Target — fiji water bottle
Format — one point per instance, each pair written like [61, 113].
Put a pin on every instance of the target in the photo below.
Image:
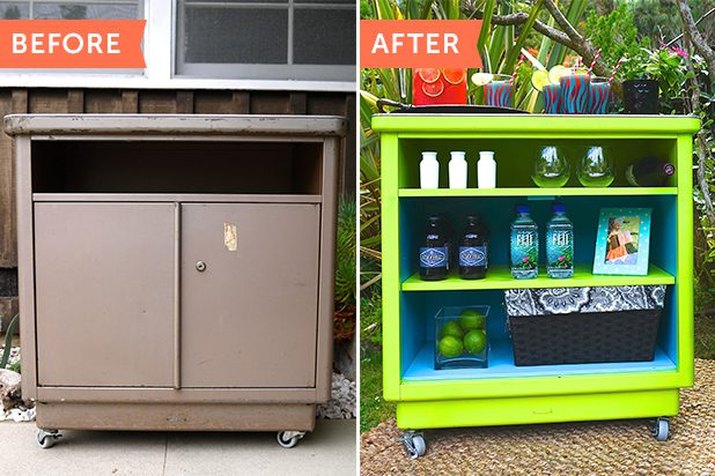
[434, 252]
[559, 244]
[524, 249]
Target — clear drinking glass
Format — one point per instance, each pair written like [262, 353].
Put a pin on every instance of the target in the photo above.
[595, 169]
[551, 169]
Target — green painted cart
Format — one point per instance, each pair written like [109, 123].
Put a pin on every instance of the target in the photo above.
[503, 393]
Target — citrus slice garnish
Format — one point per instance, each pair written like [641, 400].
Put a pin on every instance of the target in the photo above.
[580, 70]
[539, 79]
[433, 89]
[556, 72]
[453, 75]
[480, 79]
[428, 75]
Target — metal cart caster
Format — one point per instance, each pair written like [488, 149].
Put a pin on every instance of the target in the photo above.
[414, 442]
[661, 429]
[47, 438]
[288, 439]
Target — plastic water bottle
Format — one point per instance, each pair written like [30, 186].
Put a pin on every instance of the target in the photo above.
[559, 244]
[524, 249]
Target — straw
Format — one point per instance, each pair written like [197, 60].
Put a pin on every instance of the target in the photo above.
[593, 63]
[615, 69]
[516, 69]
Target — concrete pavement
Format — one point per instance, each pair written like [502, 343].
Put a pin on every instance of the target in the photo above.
[330, 450]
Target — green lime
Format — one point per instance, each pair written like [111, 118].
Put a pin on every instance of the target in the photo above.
[471, 319]
[475, 341]
[450, 346]
[451, 328]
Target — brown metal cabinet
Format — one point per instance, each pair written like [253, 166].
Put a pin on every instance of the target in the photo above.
[176, 272]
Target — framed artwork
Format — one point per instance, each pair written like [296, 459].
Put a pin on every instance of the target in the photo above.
[623, 241]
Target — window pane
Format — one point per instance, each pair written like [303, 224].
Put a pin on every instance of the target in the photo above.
[324, 36]
[235, 35]
[14, 11]
[69, 11]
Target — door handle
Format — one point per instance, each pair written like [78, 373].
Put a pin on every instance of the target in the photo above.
[200, 266]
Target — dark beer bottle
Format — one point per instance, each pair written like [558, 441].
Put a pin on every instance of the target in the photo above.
[434, 252]
[650, 172]
[473, 249]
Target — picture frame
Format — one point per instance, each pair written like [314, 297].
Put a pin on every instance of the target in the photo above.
[623, 241]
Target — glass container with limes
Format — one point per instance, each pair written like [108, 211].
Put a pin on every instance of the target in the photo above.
[461, 337]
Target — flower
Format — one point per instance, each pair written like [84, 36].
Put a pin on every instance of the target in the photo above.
[525, 260]
[675, 49]
[561, 258]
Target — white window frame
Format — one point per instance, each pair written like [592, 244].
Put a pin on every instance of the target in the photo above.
[160, 57]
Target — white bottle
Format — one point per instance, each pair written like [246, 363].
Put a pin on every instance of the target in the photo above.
[457, 169]
[486, 170]
[429, 170]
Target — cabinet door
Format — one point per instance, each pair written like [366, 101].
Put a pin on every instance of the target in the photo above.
[105, 293]
[249, 319]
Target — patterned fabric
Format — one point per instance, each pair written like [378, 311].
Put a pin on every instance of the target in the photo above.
[541, 302]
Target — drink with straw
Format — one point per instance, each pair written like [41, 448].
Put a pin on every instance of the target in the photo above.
[552, 103]
[598, 96]
[499, 92]
[574, 92]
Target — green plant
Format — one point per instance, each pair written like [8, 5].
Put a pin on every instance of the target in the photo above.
[345, 253]
[8, 341]
[615, 34]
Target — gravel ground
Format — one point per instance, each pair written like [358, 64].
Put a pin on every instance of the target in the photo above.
[592, 448]
[342, 403]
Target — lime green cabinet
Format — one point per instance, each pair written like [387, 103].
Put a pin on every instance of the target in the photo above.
[503, 393]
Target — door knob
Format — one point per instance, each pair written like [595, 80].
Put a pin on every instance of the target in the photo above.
[200, 266]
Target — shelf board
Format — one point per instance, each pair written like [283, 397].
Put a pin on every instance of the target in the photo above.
[175, 197]
[501, 365]
[499, 277]
[537, 192]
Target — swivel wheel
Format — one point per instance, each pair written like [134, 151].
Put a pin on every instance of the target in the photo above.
[414, 444]
[661, 429]
[47, 438]
[288, 439]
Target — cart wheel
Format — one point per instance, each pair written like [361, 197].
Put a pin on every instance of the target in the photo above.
[661, 429]
[414, 444]
[288, 439]
[47, 439]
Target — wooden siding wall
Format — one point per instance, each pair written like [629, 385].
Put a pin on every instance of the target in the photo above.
[43, 100]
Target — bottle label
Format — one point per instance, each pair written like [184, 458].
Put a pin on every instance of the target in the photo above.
[433, 257]
[524, 250]
[470, 256]
[559, 249]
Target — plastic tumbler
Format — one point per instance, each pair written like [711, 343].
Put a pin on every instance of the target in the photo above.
[499, 93]
[574, 93]
[598, 96]
[552, 102]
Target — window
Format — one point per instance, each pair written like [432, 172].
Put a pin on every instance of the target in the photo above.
[268, 39]
[72, 10]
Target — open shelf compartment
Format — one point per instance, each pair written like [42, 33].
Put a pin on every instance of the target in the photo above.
[177, 166]
[583, 212]
[417, 342]
[515, 158]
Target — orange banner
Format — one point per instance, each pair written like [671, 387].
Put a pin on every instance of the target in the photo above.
[419, 43]
[71, 43]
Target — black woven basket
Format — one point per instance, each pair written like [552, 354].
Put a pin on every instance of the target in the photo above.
[623, 336]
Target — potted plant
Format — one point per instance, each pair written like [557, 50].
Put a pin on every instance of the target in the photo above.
[647, 75]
